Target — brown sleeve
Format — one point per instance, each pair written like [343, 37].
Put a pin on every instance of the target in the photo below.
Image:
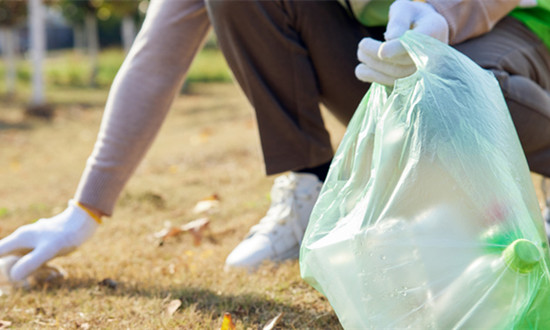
[140, 97]
[471, 18]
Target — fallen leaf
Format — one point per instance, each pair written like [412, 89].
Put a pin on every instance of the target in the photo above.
[207, 205]
[196, 225]
[42, 277]
[203, 136]
[196, 228]
[206, 132]
[172, 307]
[163, 231]
[227, 323]
[46, 275]
[213, 197]
[172, 232]
[4, 324]
[273, 322]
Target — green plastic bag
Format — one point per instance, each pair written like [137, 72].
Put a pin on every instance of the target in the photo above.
[428, 218]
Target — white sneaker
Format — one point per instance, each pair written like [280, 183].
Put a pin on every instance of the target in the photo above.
[278, 235]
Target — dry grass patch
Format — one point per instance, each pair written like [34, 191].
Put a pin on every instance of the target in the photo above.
[123, 278]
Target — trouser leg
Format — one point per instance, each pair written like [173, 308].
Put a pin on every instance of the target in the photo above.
[288, 57]
[521, 64]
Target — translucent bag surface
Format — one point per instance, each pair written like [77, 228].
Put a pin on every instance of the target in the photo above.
[428, 217]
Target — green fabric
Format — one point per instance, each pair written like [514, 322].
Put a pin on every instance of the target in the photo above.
[537, 19]
[375, 13]
[369, 13]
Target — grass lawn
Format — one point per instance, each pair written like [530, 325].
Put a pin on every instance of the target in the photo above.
[208, 146]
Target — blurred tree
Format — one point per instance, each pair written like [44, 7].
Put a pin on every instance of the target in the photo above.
[11, 14]
[84, 13]
[128, 11]
[74, 14]
[37, 27]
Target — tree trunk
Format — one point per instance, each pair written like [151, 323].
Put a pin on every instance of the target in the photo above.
[8, 51]
[93, 44]
[128, 32]
[79, 37]
[38, 49]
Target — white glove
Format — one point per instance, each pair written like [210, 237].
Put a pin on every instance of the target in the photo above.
[46, 239]
[384, 62]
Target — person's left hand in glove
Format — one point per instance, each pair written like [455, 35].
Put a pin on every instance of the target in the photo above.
[385, 62]
[46, 239]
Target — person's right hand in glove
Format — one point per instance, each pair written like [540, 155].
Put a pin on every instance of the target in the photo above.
[385, 62]
[48, 238]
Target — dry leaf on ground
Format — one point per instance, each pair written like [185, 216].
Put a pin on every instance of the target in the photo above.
[4, 324]
[171, 232]
[227, 323]
[197, 228]
[273, 322]
[203, 136]
[42, 277]
[46, 275]
[164, 231]
[208, 205]
[172, 307]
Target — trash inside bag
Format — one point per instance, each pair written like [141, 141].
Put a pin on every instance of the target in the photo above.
[428, 218]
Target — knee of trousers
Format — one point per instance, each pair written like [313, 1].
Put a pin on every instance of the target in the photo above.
[515, 86]
[502, 76]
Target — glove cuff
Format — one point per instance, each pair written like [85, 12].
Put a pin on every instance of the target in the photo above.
[90, 213]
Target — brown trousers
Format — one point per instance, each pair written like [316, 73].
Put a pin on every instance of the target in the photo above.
[290, 56]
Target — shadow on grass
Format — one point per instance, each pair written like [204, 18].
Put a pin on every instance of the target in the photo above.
[251, 308]
[18, 126]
